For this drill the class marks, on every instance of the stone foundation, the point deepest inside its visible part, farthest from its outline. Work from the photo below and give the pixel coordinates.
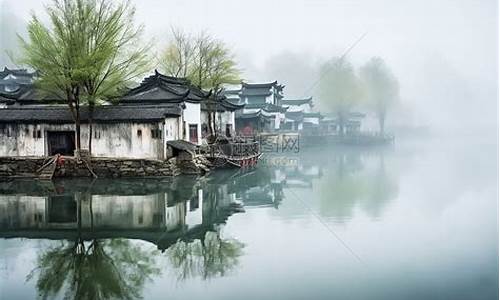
(103, 167)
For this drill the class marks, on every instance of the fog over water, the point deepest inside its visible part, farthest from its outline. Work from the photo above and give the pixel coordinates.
(444, 53)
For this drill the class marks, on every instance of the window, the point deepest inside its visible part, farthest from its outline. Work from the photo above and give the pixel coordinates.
(97, 134)
(139, 133)
(37, 134)
(229, 129)
(156, 133)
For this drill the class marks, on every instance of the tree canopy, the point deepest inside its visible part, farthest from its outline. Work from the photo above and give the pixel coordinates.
(382, 88)
(206, 61)
(88, 52)
(339, 88)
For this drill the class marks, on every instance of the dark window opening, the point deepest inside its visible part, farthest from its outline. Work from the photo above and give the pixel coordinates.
(97, 134)
(37, 134)
(62, 142)
(193, 133)
(139, 133)
(155, 133)
(229, 129)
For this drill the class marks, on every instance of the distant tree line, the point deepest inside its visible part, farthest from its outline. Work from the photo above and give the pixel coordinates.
(342, 88)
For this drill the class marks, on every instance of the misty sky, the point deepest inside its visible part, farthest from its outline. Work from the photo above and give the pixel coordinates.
(443, 52)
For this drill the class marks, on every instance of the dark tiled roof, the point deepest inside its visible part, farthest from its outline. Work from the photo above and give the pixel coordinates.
(160, 88)
(296, 101)
(222, 105)
(16, 72)
(257, 114)
(259, 85)
(28, 94)
(182, 145)
(107, 113)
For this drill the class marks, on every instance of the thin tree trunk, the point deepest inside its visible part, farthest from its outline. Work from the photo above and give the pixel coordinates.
(91, 125)
(77, 131)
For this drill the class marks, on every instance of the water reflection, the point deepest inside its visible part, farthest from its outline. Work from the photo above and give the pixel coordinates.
(354, 183)
(99, 228)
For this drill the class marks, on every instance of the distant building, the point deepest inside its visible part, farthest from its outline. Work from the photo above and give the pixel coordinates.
(263, 111)
(331, 124)
(13, 79)
(300, 115)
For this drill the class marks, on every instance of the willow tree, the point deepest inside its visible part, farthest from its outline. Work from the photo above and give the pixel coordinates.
(86, 54)
(339, 89)
(382, 88)
(112, 52)
(206, 61)
(57, 53)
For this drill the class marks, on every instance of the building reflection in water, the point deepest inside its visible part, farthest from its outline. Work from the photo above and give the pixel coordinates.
(97, 223)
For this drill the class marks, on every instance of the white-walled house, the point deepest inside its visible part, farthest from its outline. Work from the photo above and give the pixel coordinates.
(262, 110)
(300, 115)
(161, 89)
(224, 112)
(118, 131)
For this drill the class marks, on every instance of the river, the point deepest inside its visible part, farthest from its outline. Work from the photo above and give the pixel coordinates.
(417, 220)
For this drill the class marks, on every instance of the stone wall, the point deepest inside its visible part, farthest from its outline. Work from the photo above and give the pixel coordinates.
(103, 167)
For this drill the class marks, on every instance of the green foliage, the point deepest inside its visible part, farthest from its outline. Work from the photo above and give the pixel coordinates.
(339, 87)
(112, 53)
(91, 46)
(88, 53)
(382, 87)
(105, 269)
(355, 184)
(207, 258)
(207, 62)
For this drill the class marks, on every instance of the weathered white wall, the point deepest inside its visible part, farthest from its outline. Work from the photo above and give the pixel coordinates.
(18, 212)
(109, 140)
(18, 140)
(170, 132)
(123, 140)
(125, 212)
(192, 115)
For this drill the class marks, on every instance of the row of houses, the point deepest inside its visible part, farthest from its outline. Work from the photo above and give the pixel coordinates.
(266, 110)
(147, 118)
(161, 109)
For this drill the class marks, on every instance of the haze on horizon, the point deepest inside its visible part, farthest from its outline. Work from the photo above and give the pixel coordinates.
(444, 53)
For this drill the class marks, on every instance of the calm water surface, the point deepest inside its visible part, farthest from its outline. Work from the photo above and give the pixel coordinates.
(416, 221)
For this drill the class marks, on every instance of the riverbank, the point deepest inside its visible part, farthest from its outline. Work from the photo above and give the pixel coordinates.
(69, 166)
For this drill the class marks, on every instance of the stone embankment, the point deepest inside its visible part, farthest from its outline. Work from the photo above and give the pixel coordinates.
(104, 167)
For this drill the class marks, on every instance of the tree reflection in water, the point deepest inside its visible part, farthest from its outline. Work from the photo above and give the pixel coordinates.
(100, 269)
(212, 256)
(351, 184)
(95, 269)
